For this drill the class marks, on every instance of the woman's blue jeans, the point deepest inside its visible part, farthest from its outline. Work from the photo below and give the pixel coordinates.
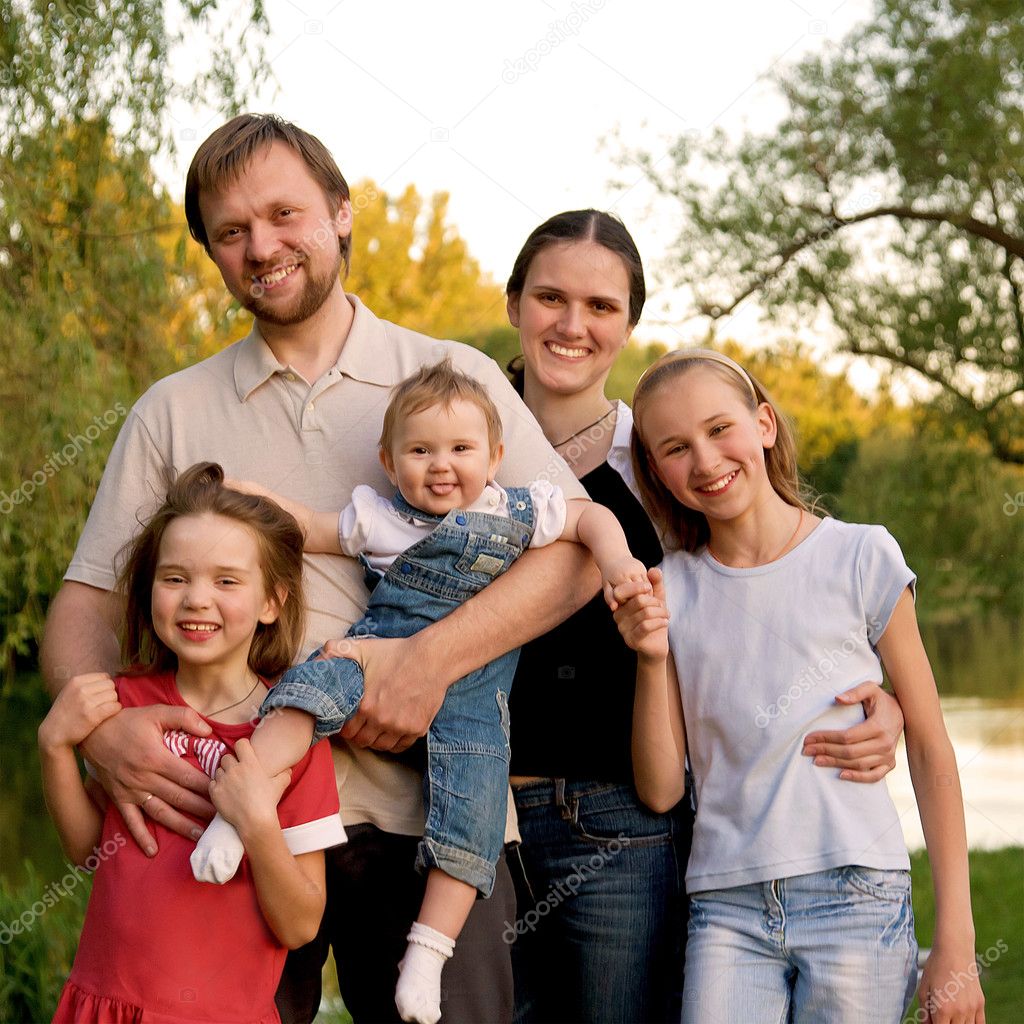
(601, 907)
(832, 947)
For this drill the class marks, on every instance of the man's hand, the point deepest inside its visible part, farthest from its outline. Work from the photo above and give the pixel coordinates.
(865, 752)
(132, 764)
(401, 691)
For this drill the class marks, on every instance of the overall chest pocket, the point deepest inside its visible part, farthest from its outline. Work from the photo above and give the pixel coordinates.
(485, 557)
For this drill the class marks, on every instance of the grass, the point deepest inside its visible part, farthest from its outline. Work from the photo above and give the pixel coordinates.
(35, 962)
(997, 893)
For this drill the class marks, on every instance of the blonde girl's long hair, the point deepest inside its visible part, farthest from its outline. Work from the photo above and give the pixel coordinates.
(683, 528)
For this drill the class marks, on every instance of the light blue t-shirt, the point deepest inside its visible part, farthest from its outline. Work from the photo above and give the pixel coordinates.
(761, 654)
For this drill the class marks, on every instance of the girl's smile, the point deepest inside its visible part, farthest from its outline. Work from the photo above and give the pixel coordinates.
(208, 596)
(707, 445)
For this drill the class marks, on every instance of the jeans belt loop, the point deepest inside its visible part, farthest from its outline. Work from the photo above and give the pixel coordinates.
(568, 813)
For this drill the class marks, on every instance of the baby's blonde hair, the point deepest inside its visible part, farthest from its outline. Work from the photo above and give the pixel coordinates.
(439, 384)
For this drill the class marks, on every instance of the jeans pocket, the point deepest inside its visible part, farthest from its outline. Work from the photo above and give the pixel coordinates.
(882, 884)
(616, 815)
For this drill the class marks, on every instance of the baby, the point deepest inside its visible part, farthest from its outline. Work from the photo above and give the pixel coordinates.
(447, 532)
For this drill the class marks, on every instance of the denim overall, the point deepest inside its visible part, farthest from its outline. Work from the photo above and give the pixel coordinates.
(465, 787)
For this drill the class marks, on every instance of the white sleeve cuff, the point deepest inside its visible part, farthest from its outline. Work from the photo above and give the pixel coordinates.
(315, 835)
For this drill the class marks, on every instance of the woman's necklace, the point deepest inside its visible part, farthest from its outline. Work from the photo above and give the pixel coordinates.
(583, 430)
(220, 711)
(782, 550)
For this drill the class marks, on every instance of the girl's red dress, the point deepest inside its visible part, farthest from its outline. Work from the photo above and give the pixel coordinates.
(158, 946)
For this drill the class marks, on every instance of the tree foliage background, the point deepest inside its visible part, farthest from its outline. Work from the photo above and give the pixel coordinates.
(887, 204)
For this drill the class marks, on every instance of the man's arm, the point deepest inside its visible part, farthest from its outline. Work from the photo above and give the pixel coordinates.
(406, 680)
(127, 750)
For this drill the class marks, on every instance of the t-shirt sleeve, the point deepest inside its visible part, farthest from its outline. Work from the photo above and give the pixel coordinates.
(884, 575)
(308, 811)
(548, 512)
(134, 483)
(357, 519)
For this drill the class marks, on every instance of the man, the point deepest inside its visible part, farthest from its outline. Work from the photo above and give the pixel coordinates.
(297, 406)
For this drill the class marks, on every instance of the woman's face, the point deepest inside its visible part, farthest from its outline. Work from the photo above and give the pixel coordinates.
(572, 315)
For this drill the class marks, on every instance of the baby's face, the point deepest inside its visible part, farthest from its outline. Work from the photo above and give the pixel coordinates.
(442, 458)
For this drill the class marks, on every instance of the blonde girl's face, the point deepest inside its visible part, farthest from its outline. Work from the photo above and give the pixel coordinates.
(706, 444)
(572, 315)
(208, 595)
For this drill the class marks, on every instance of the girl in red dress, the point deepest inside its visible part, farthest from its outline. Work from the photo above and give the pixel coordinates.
(214, 609)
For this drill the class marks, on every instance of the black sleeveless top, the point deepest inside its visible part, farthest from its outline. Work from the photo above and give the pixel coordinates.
(571, 705)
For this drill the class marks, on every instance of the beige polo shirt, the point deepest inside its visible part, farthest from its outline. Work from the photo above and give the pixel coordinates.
(262, 421)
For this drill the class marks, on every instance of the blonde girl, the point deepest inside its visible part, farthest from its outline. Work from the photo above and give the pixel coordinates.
(800, 885)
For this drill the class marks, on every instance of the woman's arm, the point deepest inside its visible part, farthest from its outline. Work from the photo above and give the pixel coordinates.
(937, 787)
(659, 736)
(290, 889)
(84, 702)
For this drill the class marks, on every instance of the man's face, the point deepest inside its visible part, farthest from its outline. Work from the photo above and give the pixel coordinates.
(274, 238)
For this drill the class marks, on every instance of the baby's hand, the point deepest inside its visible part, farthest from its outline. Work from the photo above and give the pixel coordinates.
(84, 703)
(244, 793)
(623, 580)
(643, 620)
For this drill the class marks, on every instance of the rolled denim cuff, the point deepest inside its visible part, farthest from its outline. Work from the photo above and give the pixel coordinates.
(330, 717)
(461, 864)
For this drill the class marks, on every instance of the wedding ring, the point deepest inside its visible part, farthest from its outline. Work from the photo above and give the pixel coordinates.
(149, 796)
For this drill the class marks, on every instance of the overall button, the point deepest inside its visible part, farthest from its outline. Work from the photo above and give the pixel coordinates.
(461, 520)
(520, 505)
(406, 567)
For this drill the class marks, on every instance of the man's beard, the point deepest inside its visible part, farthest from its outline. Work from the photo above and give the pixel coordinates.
(314, 295)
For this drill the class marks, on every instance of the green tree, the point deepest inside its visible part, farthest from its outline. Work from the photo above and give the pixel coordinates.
(412, 266)
(956, 512)
(889, 198)
(88, 283)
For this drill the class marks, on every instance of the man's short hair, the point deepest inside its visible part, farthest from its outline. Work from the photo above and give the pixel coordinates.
(439, 384)
(227, 152)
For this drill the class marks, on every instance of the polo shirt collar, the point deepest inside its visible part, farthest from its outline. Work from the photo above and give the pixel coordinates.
(367, 354)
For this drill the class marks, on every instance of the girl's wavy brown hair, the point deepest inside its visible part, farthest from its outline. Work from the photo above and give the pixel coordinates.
(681, 527)
(198, 490)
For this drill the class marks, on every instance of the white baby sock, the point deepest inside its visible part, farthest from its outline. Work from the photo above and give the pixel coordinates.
(418, 995)
(218, 853)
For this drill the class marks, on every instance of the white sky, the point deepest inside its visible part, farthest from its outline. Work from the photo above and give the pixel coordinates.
(505, 105)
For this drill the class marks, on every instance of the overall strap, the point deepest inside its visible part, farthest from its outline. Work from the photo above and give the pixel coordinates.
(520, 506)
(416, 513)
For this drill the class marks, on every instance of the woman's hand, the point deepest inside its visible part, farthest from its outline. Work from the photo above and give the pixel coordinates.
(865, 752)
(949, 990)
(83, 703)
(643, 618)
(244, 793)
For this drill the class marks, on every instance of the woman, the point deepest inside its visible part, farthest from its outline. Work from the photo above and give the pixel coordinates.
(602, 912)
